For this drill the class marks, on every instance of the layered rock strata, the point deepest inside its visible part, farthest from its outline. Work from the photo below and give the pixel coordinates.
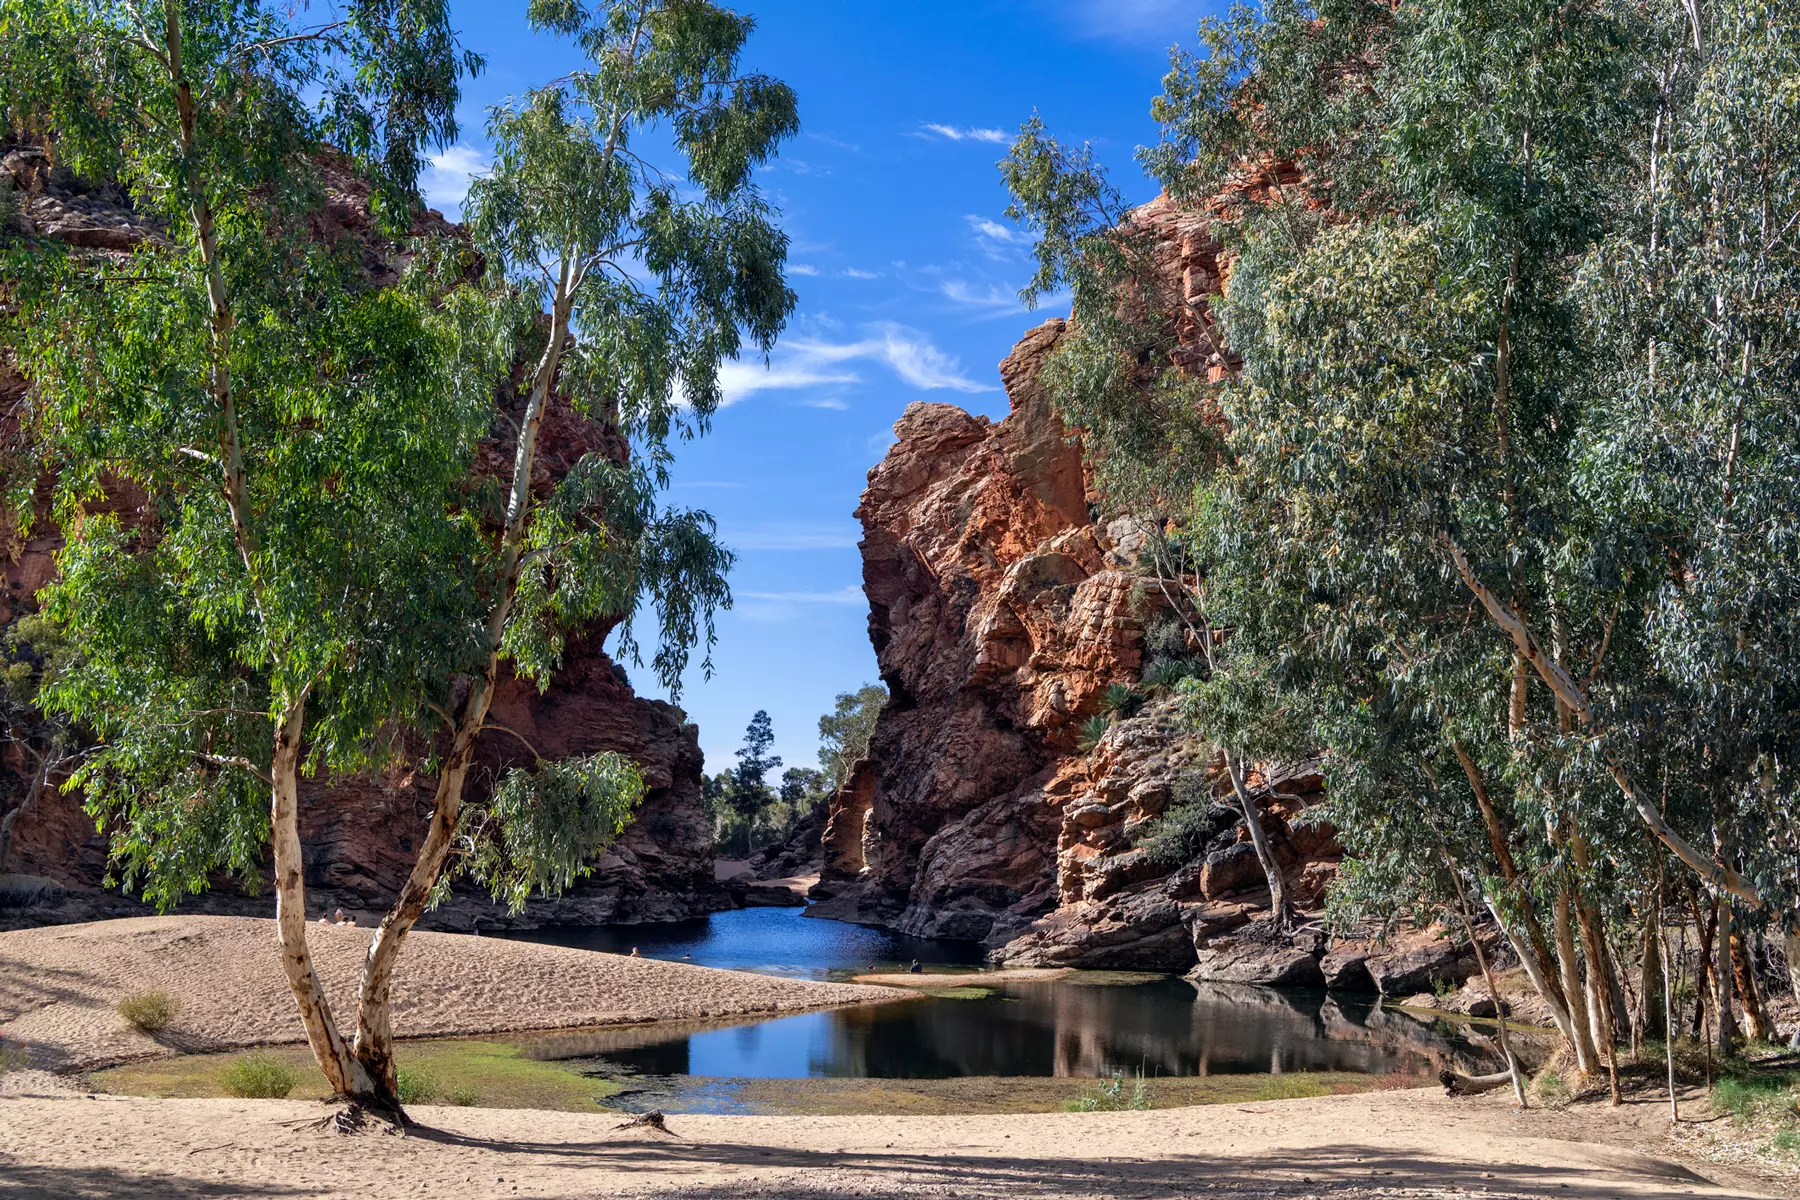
(360, 834)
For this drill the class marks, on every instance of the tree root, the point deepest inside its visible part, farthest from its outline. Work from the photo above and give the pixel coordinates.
(354, 1117)
(650, 1120)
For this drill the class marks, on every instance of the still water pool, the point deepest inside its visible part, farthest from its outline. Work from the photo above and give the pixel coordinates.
(1092, 1025)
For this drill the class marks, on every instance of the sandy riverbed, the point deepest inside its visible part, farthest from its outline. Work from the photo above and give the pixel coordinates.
(59, 985)
(1416, 1144)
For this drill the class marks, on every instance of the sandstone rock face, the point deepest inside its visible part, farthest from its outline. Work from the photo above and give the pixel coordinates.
(1000, 611)
(359, 835)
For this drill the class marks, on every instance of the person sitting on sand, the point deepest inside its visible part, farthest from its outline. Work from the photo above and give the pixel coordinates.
(338, 918)
(634, 953)
(915, 969)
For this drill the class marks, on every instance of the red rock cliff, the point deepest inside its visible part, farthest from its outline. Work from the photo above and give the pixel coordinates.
(360, 845)
(1000, 610)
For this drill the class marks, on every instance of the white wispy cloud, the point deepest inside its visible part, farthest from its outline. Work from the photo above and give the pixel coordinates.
(812, 362)
(828, 140)
(794, 536)
(1146, 21)
(994, 231)
(445, 181)
(857, 273)
(849, 594)
(834, 403)
(963, 133)
(802, 269)
(988, 296)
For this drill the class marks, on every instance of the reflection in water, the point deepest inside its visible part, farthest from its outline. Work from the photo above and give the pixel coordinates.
(1164, 1027)
(1160, 1026)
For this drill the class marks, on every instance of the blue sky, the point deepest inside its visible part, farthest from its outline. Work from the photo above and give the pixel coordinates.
(907, 274)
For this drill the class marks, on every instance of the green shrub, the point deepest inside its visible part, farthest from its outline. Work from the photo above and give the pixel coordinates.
(150, 1011)
(462, 1097)
(1290, 1087)
(1121, 699)
(1165, 674)
(257, 1077)
(1112, 1096)
(416, 1086)
(1092, 730)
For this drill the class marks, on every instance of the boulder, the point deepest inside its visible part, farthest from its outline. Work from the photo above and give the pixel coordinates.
(1416, 962)
(1246, 960)
(1346, 969)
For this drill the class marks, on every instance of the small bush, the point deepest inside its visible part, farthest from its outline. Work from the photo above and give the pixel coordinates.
(1166, 674)
(1121, 699)
(1290, 1087)
(1092, 730)
(462, 1097)
(150, 1011)
(256, 1077)
(1788, 1140)
(1112, 1096)
(416, 1086)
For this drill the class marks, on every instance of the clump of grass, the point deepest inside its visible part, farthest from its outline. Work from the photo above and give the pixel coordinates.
(1550, 1089)
(462, 1097)
(1113, 1096)
(1092, 730)
(151, 1011)
(1121, 699)
(258, 1077)
(1290, 1087)
(1749, 1096)
(416, 1086)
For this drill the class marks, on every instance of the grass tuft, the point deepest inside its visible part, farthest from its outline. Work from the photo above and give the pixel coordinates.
(151, 1011)
(258, 1077)
(416, 1086)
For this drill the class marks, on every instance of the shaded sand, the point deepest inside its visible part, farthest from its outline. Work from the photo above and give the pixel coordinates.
(1383, 1144)
(59, 985)
(938, 979)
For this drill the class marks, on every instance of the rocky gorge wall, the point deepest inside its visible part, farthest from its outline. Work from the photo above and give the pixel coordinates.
(1001, 607)
(359, 834)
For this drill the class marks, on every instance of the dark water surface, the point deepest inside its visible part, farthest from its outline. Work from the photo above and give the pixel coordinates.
(1092, 1025)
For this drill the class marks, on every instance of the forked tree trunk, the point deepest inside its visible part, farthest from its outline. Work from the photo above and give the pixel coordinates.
(1587, 1058)
(374, 1047)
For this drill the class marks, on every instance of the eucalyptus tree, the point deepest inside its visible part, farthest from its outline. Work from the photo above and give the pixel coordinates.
(322, 577)
(651, 280)
(277, 419)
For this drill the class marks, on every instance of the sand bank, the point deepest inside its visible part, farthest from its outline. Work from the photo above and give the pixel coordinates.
(59, 985)
(1414, 1144)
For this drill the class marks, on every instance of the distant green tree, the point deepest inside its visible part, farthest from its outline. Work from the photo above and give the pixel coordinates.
(845, 731)
(749, 792)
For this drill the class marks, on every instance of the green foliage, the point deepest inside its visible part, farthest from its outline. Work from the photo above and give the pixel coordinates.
(539, 830)
(258, 1077)
(845, 731)
(149, 1012)
(416, 1086)
(1165, 675)
(1121, 700)
(1113, 1096)
(1193, 819)
(1092, 730)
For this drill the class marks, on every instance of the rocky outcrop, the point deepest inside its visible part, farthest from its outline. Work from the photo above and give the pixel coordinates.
(1001, 609)
(359, 834)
